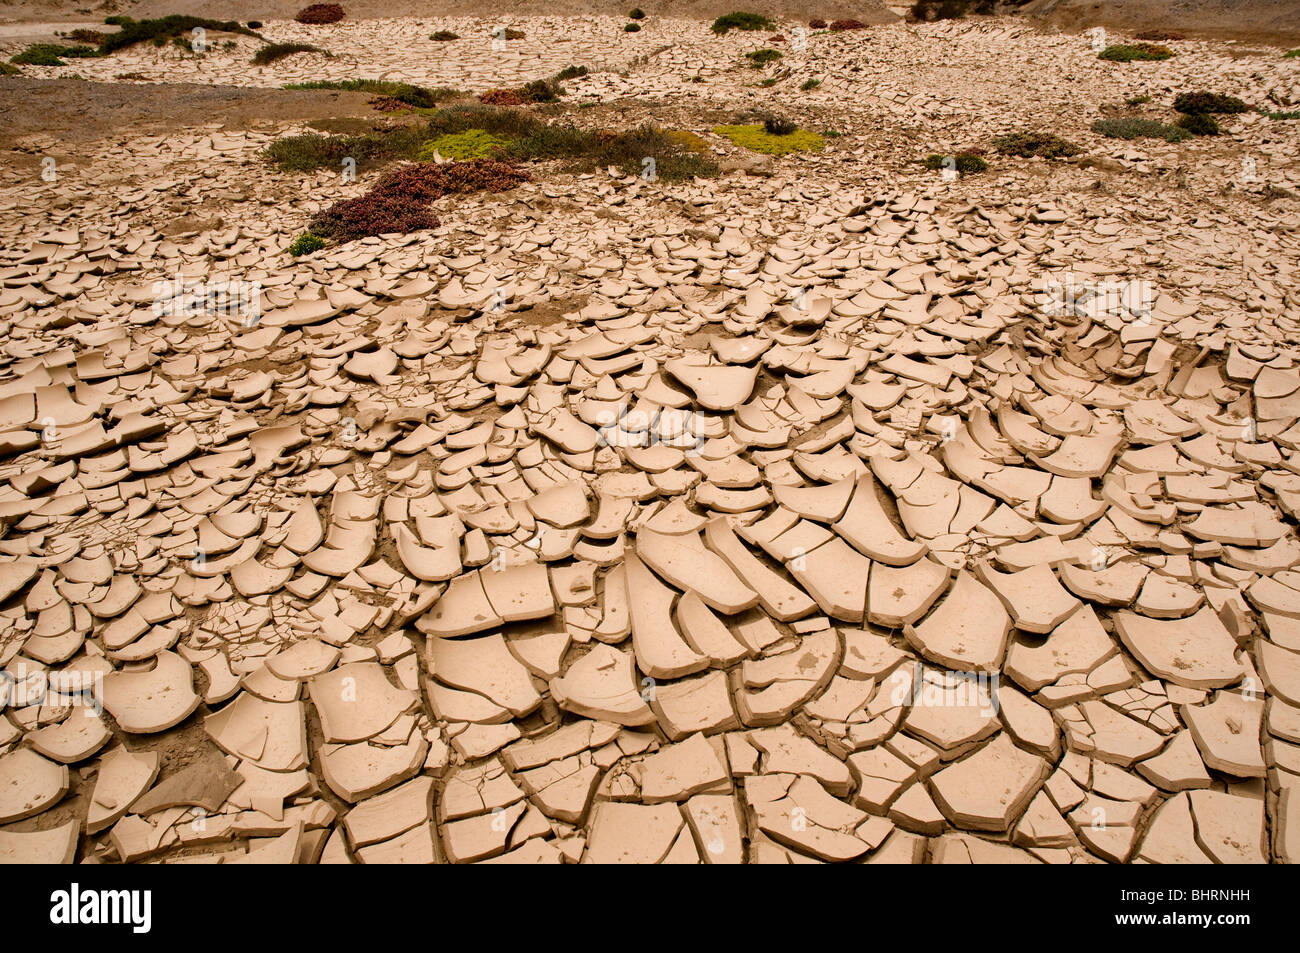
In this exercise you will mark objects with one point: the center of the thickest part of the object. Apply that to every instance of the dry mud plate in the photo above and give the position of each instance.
(772, 497)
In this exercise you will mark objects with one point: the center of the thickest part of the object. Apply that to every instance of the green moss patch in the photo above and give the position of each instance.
(757, 139)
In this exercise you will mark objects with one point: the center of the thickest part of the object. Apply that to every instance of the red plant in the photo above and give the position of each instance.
(372, 214)
(387, 104)
(320, 13)
(501, 97)
(817, 24)
(838, 25)
(776, 38)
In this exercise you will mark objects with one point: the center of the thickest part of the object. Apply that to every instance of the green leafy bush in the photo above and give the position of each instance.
(1199, 124)
(470, 144)
(757, 139)
(810, 84)
(1291, 54)
(632, 28)
(1191, 103)
(305, 244)
(1029, 144)
(760, 58)
(1128, 52)
(278, 51)
(163, 29)
(1131, 128)
(51, 54)
(571, 72)
(965, 162)
(7, 69)
(636, 13)
(741, 21)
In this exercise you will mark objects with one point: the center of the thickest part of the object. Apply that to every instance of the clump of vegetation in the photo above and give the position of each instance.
(1131, 128)
(501, 97)
(816, 23)
(810, 84)
(839, 26)
(926, 10)
(8, 69)
(51, 54)
(1192, 103)
(571, 72)
(470, 144)
(760, 58)
(305, 244)
(690, 141)
(636, 13)
(509, 33)
(1199, 124)
(1291, 54)
(541, 91)
(90, 37)
(1026, 145)
(319, 13)
(741, 21)
(255, 24)
(1159, 35)
(964, 162)
(159, 31)
(444, 36)
(1138, 100)
(632, 28)
(400, 201)
(1128, 52)
(778, 126)
(1292, 114)
(131, 76)
(313, 151)
(278, 51)
(417, 97)
(756, 138)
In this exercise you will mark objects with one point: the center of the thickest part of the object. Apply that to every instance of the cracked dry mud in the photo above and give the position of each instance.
(769, 519)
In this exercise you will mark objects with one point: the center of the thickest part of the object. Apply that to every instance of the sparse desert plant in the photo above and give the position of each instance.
(809, 85)
(90, 37)
(1289, 114)
(1203, 102)
(444, 36)
(501, 97)
(52, 54)
(1199, 124)
(1138, 100)
(760, 58)
(740, 20)
(311, 150)
(966, 163)
(1128, 52)
(571, 72)
(417, 97)
(1291, 54)
(757, 139)
(690, 141)
(470, 144)
(160, 30)
(816, 23)
(278, 51)
(541, 91)
(778, 126)
(636, 13)
(318, 13)
(1029, 144)
(8, 69)
(839, 26)
(632, 28)
(305, 244)
(1131, 128)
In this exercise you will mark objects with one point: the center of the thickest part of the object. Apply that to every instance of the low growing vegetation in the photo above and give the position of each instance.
(741, 21)
(273, 52)
(417, 97)
(1133, 128)
(444, 36)
(1199, 124)
(1128, 52)
(1026, 145)
(756, 138)
(760, 58)
(470, 144)
(320, 13)
(160, 30)
(966, 163)
(52, 54)
(305, 244)
(1193, 103)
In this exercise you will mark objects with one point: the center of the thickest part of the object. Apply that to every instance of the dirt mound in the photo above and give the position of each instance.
(1256, 20)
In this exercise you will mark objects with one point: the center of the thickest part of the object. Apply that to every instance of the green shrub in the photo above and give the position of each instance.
(163, 29)
(1293, 114)
(1192, 103)
(757, 139)
(778, 126)
(313, 151)
(305, 244)
(636, 13)
(1291, 54)
(1137, 100)
(965, 162)
(89, 37)
(278, 51)
(470, 144)
(51, 54)
(540, 91)
(1028, 144)
(760, 58)
(632, 28)
(810, 84)
(1199, 124)
(571, 72)
(7, 69)
(741, 21)
(1130, 128)
(444, 36)
(418, 97)
(1128, 52)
